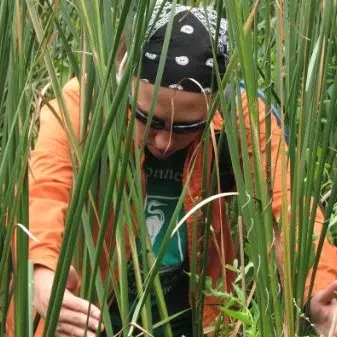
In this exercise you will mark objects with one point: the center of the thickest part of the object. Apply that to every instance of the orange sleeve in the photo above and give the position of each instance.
(50, 179)
(276, 168)
(327, 271)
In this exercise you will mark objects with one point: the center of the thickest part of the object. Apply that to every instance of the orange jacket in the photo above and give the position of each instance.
(51, 183)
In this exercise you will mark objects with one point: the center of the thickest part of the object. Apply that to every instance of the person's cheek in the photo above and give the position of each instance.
(140, 131)
(183, 141)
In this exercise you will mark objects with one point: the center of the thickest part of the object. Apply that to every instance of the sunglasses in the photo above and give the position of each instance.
(177, 127)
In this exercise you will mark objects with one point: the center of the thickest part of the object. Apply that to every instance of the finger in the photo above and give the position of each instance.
(78, 304)
(73, 331)
(72, 282)
(78, 319)
(328, 294)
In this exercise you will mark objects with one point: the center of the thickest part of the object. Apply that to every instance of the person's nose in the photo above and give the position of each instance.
(162, 141)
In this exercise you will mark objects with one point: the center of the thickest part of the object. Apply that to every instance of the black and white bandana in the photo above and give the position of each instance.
(190, 49)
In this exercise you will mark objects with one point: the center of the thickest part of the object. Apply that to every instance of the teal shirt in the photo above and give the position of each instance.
(163, 189)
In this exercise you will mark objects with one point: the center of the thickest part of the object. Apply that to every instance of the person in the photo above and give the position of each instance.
(169, 148)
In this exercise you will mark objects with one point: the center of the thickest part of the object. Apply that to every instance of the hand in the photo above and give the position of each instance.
(323, 308)
(74, 310)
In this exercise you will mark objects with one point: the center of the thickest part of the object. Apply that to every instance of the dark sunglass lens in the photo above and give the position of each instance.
(155, 124)
(183, 129)
(140, 117)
